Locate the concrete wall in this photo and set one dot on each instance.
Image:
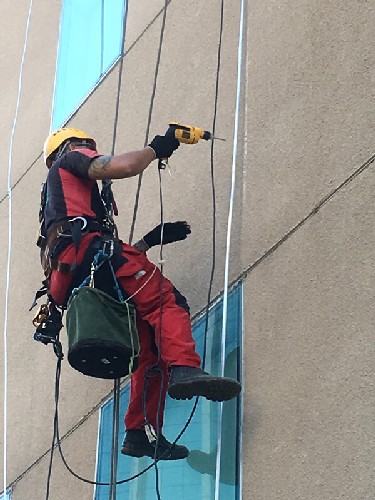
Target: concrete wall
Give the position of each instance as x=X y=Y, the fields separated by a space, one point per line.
x=310 y=358
x=305 y=126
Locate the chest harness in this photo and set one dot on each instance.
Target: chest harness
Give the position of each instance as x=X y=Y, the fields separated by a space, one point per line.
x=101 y=323
x=66 y=231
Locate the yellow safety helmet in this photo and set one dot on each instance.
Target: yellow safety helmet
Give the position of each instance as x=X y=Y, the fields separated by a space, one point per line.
x=54 y=141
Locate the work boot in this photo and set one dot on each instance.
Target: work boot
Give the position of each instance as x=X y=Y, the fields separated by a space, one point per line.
x=137 y=444
x=186 y=382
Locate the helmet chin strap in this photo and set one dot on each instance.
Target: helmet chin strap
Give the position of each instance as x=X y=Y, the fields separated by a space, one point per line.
x=64 y=147
x=60 y=151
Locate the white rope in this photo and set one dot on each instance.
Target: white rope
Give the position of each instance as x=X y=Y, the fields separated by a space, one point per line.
x=9 y=190
x=140 y=288
x=229 y=229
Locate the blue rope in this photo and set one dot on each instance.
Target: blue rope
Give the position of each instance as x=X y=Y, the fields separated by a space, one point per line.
x=99 y=259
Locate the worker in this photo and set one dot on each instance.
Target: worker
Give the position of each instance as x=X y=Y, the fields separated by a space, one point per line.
x=71 y=198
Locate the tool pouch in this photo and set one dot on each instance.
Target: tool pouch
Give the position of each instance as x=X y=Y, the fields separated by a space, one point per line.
x=102 y=334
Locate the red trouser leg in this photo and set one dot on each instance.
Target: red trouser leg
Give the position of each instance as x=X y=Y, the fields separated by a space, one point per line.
x=153 y=389
x=139 y=277
x=149 y=290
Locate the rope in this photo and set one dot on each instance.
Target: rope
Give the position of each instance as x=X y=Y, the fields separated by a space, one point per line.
x=135 y=210
x=229 y=228
x=158 y=341
x=213 y=192
x=116 y=389
x=150 y=110
x=56 y=430
x=55 y=424
x=119 y=82
x=6 y=312
x=116 y=386
x=213 y=243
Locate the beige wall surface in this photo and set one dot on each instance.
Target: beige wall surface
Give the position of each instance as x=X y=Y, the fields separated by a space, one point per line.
x=37 y=82
x=79 y=451
x=309 y=100
x=309 y=349
x=305 y=126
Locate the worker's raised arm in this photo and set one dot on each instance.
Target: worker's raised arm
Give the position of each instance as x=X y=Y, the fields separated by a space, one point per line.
x=132 y=163
x=121 y=166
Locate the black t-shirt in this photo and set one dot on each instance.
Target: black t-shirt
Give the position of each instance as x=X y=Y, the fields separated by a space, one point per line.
x=69 y=190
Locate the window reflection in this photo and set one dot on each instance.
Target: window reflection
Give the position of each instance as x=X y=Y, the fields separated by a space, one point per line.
x=90 y=42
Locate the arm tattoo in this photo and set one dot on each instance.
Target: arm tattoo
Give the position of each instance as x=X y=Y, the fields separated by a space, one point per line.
x=100 y=164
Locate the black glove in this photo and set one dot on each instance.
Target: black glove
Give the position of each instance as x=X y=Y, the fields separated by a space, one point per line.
x=164 y=146
x=173 y=231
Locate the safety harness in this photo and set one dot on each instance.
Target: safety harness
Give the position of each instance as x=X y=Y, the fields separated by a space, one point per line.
x=72 y=230
x=101 y=325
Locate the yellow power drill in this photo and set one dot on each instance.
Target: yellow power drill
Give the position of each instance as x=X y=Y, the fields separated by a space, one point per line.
x=189 y=134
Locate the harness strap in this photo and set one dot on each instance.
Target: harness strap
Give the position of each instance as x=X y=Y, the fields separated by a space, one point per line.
x=63 y=229
x=63 y=267
x=76 y=231
x=69 y=228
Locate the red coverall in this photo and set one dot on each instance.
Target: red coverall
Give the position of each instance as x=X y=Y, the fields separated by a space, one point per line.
x=68 y=178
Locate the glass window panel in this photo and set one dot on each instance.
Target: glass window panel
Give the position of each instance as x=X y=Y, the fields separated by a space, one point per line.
x=7 y=496
x=193 y=478
x=90 y=42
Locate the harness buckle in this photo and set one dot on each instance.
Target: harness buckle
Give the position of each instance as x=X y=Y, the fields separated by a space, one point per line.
x=82 y=219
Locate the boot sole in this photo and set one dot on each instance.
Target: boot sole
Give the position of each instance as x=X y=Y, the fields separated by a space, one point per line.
x=136 y=452
x=212 y=388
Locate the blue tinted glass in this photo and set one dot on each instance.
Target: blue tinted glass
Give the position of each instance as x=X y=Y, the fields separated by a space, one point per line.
x=6 y=497
x=193 y=478
x=90 y=41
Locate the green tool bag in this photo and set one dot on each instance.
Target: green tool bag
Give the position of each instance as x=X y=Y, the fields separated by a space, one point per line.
x=102 y=334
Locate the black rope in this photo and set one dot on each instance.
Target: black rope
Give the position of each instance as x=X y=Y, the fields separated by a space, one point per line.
x=58 y=442
x=212 y=175
x=161 y=245
x=158 y=430
x=151 y=370
x=119 y=83
x=55 y=425
x=56 y=438
x=115 y=431
x=106 y=185
x=213 y=217
x=56 y=430
x=213 y=191
x=150 y=110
